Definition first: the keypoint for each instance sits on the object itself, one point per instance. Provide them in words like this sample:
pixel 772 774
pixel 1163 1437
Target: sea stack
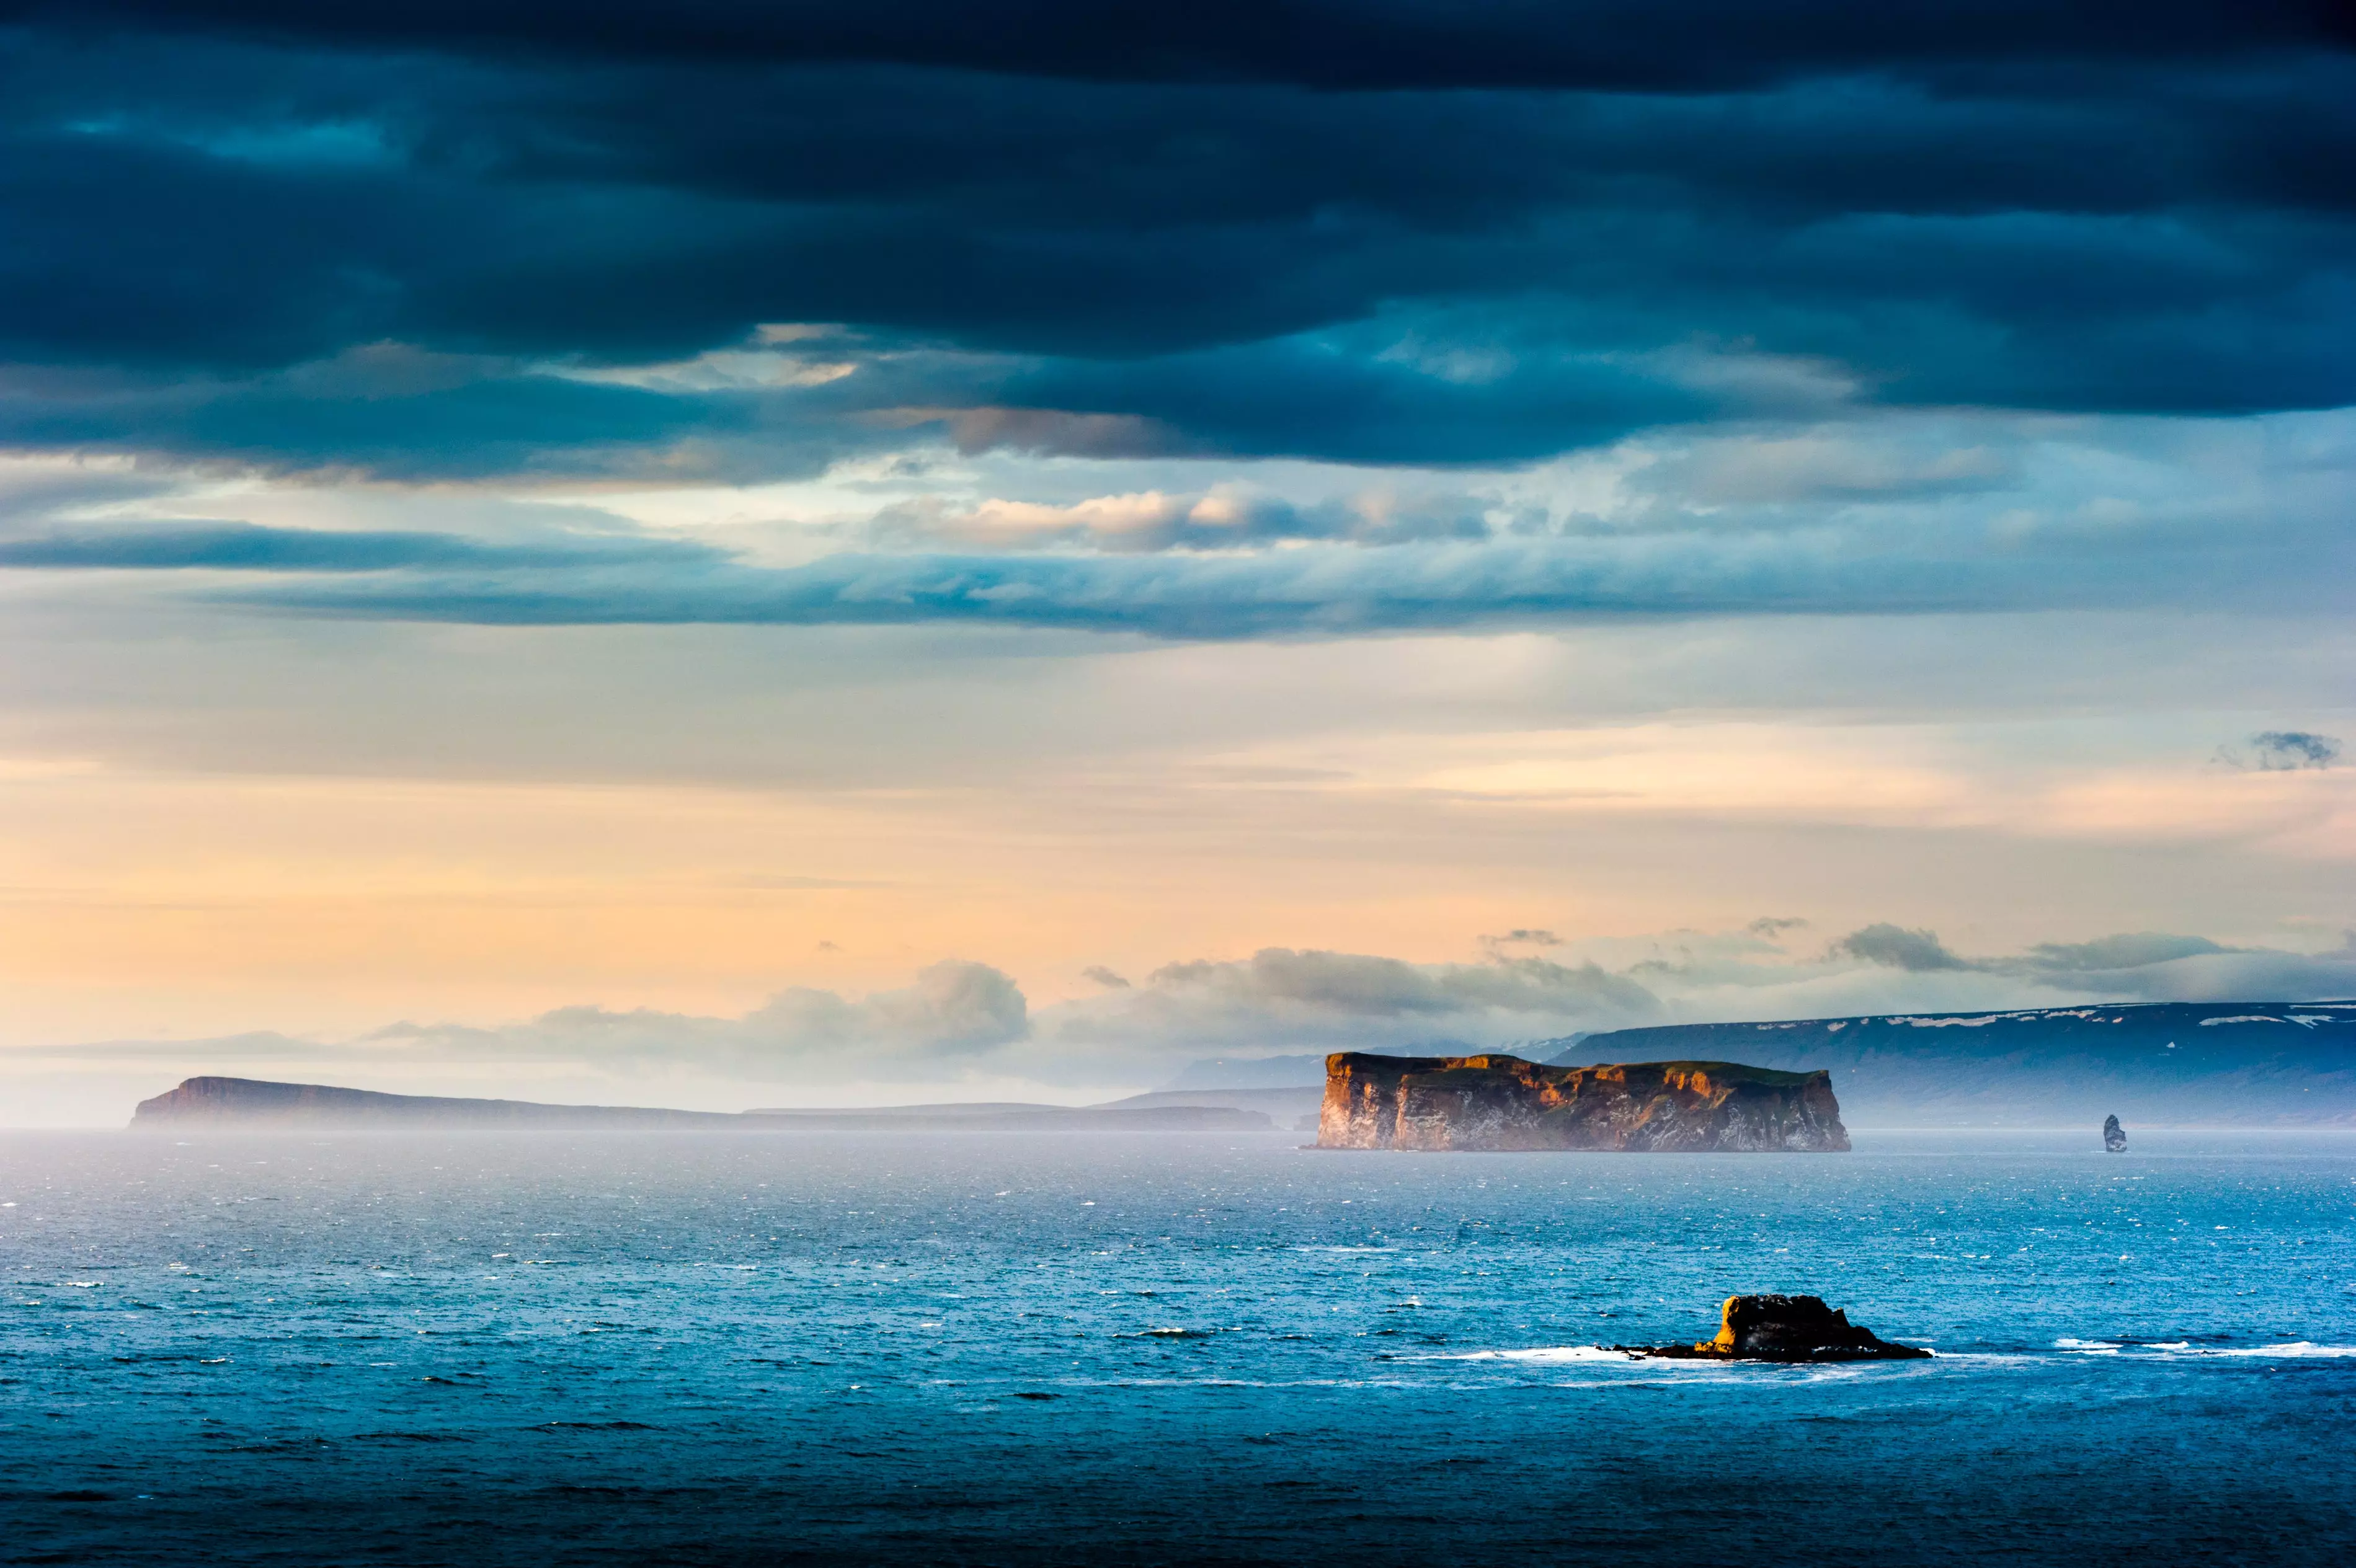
pixel 2115 1136
pixel 1500 1103
pixel 1784 1328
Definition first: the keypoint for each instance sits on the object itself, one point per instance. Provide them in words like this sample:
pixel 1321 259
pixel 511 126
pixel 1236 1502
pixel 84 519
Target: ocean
pixel 620 1349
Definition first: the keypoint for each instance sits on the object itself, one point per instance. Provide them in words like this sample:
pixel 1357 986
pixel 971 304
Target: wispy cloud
pixel 1895 947
pixel 952 1012
pixel 1324 592
pixel 236 547
pixel 2282 752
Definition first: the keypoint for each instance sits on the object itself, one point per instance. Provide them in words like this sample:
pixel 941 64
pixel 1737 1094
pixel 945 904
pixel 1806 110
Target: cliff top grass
pixel 1484 1064
pixel 1727 1072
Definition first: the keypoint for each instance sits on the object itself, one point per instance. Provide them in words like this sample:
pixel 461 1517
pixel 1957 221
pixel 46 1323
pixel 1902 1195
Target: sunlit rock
pixel 1491 1103
pixel 1784 1328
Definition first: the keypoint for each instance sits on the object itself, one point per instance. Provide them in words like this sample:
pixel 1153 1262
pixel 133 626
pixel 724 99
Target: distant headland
pixel 2152 1064
pixel 211 1104
pixel 1495 1102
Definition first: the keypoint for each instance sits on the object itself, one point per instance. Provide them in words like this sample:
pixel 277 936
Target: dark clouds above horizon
pixel 1385 234
pixel 1603 44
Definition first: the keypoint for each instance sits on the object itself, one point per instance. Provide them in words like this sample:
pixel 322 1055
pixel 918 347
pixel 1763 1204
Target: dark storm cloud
pixel 508 424
pixel 1369 402
pixel 1177 229
pixel 1329 43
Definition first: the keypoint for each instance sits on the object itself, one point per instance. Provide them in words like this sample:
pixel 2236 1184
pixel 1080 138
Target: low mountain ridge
pixel 211 1104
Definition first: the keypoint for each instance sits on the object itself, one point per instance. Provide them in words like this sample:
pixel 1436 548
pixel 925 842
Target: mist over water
pixel 491 1349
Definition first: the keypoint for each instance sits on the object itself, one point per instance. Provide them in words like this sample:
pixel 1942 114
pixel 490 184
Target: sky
pixel 725 554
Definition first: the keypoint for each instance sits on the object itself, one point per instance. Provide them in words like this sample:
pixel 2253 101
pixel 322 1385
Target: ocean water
pixel 985 1349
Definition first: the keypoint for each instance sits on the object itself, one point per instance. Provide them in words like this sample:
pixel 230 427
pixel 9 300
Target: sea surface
pixel 555 1348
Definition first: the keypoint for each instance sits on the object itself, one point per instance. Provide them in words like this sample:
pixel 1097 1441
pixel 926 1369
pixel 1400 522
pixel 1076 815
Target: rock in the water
pixel 2115 1136
pixel 1784 1328
pixel 1492 1103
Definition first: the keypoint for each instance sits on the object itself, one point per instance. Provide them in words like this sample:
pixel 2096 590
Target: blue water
pixel 985 1349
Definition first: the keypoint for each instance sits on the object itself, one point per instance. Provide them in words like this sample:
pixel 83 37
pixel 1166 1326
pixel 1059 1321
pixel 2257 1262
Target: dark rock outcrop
pixel 1784 1328
pixel 229 1103
pixel 2115 1136
pixel 1494 1102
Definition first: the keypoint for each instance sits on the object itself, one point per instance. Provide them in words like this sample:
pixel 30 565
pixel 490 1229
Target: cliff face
pixel 1504 1103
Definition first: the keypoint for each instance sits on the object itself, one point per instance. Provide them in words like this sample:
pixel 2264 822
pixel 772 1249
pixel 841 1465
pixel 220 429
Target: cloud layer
pixel 964 1022
pixel 1845 312
pixel 1895 516
pixel 1364 234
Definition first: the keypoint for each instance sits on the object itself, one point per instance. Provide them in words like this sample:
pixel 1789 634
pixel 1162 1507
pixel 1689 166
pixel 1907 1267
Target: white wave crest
pixel 2297 1349
pixel 1544 1354
pixel 2184 1350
